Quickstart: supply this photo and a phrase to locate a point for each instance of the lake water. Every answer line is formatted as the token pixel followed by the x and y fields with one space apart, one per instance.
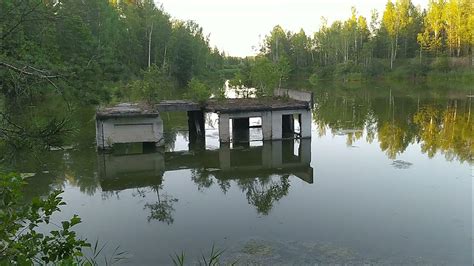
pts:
pixel 386 178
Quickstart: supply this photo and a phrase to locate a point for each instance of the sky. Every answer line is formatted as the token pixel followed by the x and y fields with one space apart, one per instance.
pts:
pixel 239 26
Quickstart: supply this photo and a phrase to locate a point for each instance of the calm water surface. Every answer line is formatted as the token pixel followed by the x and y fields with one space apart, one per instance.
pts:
pixel 385 178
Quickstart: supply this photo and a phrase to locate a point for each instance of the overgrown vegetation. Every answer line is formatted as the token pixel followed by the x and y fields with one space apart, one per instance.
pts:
pixel 94 46
pixel 403 42
pixel 21 242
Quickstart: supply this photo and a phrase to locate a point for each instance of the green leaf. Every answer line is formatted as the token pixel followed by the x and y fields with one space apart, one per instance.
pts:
pixel 65 224
pixel 75 220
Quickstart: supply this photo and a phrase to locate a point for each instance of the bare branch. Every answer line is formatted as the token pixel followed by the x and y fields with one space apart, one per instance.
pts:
pixel 38 73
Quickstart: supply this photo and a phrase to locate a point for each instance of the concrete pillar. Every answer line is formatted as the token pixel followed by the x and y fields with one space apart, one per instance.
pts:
pixel 224 156
pixel 305 124
pixel 267 125
pixel 240 129
pixel 276 125
pixel 224 134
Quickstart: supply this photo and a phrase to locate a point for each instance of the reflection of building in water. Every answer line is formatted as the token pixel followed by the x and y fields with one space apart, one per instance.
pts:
pixel 122 171
pixel 287 157
pixel 275 157
pixel 262 172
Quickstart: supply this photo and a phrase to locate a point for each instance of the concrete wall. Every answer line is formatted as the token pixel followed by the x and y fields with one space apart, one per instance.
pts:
pixel 305 122
pixel 271 123
pixel 128 130
pixel 305 96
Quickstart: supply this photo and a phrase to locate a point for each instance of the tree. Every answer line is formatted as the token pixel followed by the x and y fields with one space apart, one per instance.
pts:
pixel 265 75
pixel 434 25
pixel 395 19
pixel 198 91
pixel 300 50
pixel 453 19
pixel 276 44
pixel 155 86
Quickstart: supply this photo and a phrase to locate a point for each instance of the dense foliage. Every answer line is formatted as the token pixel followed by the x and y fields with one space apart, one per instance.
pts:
pixel 20 240
pixel 97 45
pixel 405 41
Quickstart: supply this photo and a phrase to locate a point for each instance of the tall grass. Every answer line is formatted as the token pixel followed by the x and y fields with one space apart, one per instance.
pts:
pixel 213 259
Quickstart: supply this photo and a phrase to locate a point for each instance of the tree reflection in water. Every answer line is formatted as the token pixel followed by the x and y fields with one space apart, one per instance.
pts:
pixel 439 126
pixel 202 178
pixel 162 210
pixel 264 192
pixel 261 192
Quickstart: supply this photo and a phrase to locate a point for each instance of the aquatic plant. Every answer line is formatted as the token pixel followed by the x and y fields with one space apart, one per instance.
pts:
pixel 213 259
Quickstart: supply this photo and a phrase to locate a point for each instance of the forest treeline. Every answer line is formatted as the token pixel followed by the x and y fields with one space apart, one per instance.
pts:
pixel 98 49
pixel 403 41
pixel 101 50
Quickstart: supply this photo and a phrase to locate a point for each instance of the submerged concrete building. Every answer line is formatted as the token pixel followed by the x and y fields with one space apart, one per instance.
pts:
pixel 128 123
pixel 277 116
pixel 134 123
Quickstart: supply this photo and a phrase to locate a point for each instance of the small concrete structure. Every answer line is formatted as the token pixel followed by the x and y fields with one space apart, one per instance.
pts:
pixel 305 96
pixel 277 115
pixel 128 123
pixel 178 106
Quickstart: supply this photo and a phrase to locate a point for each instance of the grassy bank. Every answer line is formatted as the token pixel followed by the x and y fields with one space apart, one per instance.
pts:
pixel 437 70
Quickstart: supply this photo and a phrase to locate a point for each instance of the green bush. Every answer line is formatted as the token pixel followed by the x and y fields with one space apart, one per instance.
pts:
pixel 155 85
pixel 323 73
pixel 20 243
pixel 441 64
pixel 198 91
pixel 377 67
pixel 347 71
